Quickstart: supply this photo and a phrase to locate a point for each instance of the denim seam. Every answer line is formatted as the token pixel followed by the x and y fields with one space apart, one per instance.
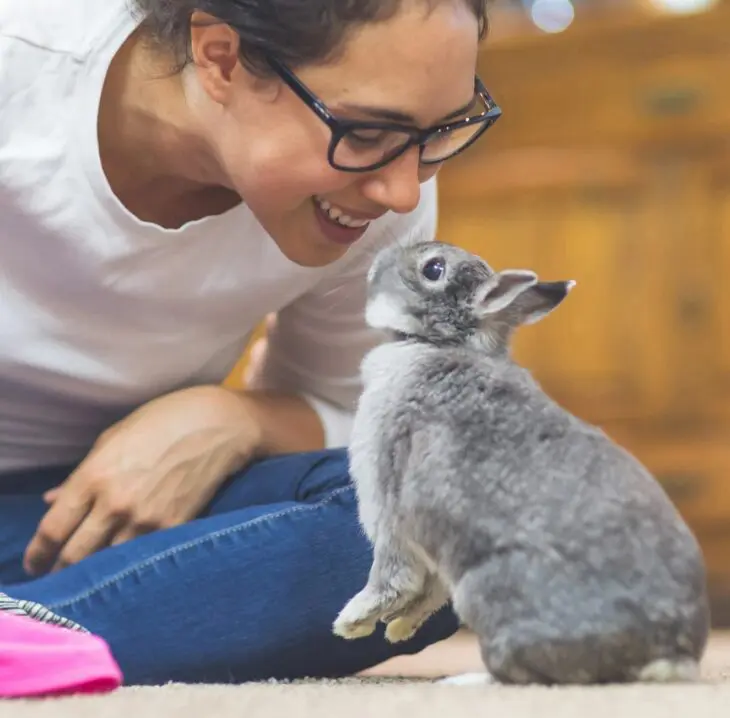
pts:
pixel 192 544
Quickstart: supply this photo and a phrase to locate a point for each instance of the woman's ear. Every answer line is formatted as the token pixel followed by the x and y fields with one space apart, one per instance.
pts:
pixel 215 48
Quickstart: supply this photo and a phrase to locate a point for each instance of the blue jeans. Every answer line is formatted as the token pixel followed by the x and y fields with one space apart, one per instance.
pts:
pixel 247 591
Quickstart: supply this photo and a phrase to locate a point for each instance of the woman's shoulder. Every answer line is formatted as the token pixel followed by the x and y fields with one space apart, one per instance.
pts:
pixel 49 74
pixel 54 27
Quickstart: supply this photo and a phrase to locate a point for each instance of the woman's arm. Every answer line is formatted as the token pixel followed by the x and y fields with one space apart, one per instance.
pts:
pixel 286 423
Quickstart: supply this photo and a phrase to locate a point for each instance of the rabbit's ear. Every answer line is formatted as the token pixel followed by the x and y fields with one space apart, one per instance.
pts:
pixel 500 290
pixel 542 298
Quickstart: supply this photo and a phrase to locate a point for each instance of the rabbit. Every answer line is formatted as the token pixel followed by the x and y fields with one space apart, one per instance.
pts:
pixel 554 545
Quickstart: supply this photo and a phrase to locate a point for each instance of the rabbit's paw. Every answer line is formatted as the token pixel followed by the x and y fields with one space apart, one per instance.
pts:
pixel 358 618
pixel 401 629
pixel 404 622
pixel 352 630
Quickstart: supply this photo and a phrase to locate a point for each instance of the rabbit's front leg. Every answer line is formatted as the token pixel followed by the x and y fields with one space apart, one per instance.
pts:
pixel 404 623
pixel 397 580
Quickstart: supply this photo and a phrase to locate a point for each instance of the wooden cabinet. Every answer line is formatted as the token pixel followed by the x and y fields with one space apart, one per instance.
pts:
pixel 719 289
pixel 611 166
pixel 643 335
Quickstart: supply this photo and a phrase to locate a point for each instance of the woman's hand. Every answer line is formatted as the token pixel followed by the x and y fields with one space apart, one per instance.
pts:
pixel 156 468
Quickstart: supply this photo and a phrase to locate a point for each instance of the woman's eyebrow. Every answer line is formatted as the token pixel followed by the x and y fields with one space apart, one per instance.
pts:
pixel 383 113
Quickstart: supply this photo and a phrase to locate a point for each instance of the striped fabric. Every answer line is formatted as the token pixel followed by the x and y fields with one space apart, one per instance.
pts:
pixel 37 612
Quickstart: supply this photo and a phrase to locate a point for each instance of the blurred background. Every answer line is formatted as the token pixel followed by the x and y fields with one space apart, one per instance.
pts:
pixel 611 166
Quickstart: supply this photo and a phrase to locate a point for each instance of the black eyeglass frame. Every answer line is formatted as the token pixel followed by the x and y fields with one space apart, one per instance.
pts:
pixel 339 127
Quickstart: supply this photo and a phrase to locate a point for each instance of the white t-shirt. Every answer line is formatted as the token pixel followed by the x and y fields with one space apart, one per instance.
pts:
pixel 101 312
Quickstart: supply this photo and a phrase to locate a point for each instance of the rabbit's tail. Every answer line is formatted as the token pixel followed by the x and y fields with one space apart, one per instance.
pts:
pixel 670 670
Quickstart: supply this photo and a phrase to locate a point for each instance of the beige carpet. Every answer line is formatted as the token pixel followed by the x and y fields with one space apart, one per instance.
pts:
pixel 401 689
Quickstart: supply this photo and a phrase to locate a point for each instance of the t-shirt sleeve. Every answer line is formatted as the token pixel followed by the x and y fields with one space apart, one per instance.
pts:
pixel 315 345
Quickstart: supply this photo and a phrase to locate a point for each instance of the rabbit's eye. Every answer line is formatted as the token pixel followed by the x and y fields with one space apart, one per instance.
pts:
pixel 433 270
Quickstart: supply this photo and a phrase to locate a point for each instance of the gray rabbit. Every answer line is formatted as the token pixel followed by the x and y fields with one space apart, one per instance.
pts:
pixel 555 546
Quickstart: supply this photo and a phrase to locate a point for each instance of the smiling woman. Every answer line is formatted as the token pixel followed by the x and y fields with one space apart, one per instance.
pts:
pixel 185 168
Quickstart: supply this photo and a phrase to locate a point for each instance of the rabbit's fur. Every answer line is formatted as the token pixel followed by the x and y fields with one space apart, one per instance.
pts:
pixel 556 547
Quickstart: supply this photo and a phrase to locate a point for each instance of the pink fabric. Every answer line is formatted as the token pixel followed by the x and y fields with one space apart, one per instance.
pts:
pixel 41 659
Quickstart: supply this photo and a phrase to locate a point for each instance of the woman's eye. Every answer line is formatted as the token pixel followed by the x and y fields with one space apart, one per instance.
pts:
pixel 433 270
pixel 366 138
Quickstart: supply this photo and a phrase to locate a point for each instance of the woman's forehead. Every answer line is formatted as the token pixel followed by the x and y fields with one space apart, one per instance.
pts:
pixel 417 65
pixel 417 42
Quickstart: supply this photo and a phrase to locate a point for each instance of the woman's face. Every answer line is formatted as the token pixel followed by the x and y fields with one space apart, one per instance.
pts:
pixel 271 148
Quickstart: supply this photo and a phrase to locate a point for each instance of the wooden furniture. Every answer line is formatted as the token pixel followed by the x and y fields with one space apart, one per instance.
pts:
pixel 611 166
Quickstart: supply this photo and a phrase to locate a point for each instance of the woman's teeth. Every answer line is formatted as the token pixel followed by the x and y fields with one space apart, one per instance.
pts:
pixel 337 215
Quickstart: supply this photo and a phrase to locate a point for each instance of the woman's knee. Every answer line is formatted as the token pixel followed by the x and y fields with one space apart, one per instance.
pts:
pixel 310 474
pixel 328 470
pixel 295 478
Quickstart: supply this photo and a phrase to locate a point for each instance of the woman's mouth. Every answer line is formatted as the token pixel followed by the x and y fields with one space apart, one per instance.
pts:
pixel 336 224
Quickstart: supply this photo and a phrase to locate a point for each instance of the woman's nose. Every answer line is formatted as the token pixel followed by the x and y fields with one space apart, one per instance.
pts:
pixel 397 185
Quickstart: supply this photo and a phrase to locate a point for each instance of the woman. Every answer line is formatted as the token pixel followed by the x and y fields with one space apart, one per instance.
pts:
pixel 170 174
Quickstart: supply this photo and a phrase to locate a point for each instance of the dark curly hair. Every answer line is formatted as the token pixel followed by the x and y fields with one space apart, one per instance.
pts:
pixel 295 32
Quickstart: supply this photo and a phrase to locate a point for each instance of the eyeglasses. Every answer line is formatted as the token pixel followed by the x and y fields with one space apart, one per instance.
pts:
pixel 363 146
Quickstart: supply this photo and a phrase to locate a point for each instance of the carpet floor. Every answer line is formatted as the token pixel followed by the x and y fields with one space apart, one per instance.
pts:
pixel 404 688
